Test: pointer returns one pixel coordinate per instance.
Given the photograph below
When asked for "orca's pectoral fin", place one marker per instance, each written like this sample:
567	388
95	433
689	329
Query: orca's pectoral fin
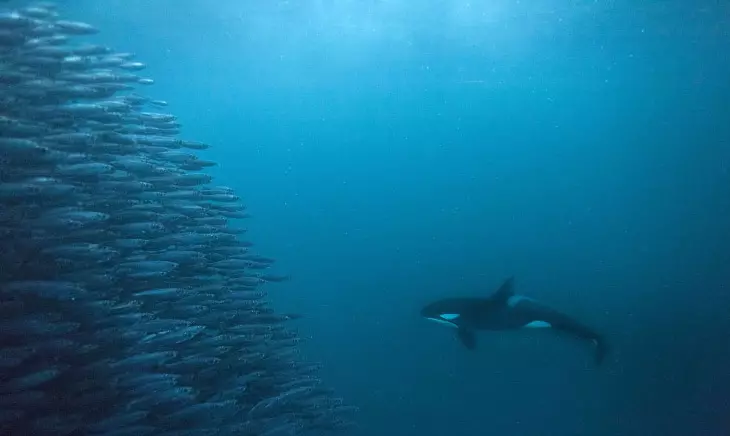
467	337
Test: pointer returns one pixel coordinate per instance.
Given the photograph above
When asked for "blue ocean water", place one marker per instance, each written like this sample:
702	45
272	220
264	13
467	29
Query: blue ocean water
393	152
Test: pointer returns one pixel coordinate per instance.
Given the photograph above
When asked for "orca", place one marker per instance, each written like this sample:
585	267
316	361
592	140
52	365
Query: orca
504	310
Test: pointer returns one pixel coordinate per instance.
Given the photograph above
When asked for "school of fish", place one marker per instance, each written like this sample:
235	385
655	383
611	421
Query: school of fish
130	301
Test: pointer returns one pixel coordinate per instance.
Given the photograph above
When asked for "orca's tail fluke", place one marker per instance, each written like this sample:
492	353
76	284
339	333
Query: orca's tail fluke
601	349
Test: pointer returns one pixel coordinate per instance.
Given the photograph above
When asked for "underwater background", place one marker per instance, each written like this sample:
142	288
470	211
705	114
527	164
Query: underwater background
392	153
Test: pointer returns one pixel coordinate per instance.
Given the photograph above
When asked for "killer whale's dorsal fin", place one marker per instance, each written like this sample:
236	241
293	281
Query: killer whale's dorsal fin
504	292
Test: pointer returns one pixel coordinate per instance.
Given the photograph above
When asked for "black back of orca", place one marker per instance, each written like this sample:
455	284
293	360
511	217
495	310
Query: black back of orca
504	310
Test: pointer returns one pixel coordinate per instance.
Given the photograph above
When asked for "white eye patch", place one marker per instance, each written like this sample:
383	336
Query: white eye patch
537	325
449	316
